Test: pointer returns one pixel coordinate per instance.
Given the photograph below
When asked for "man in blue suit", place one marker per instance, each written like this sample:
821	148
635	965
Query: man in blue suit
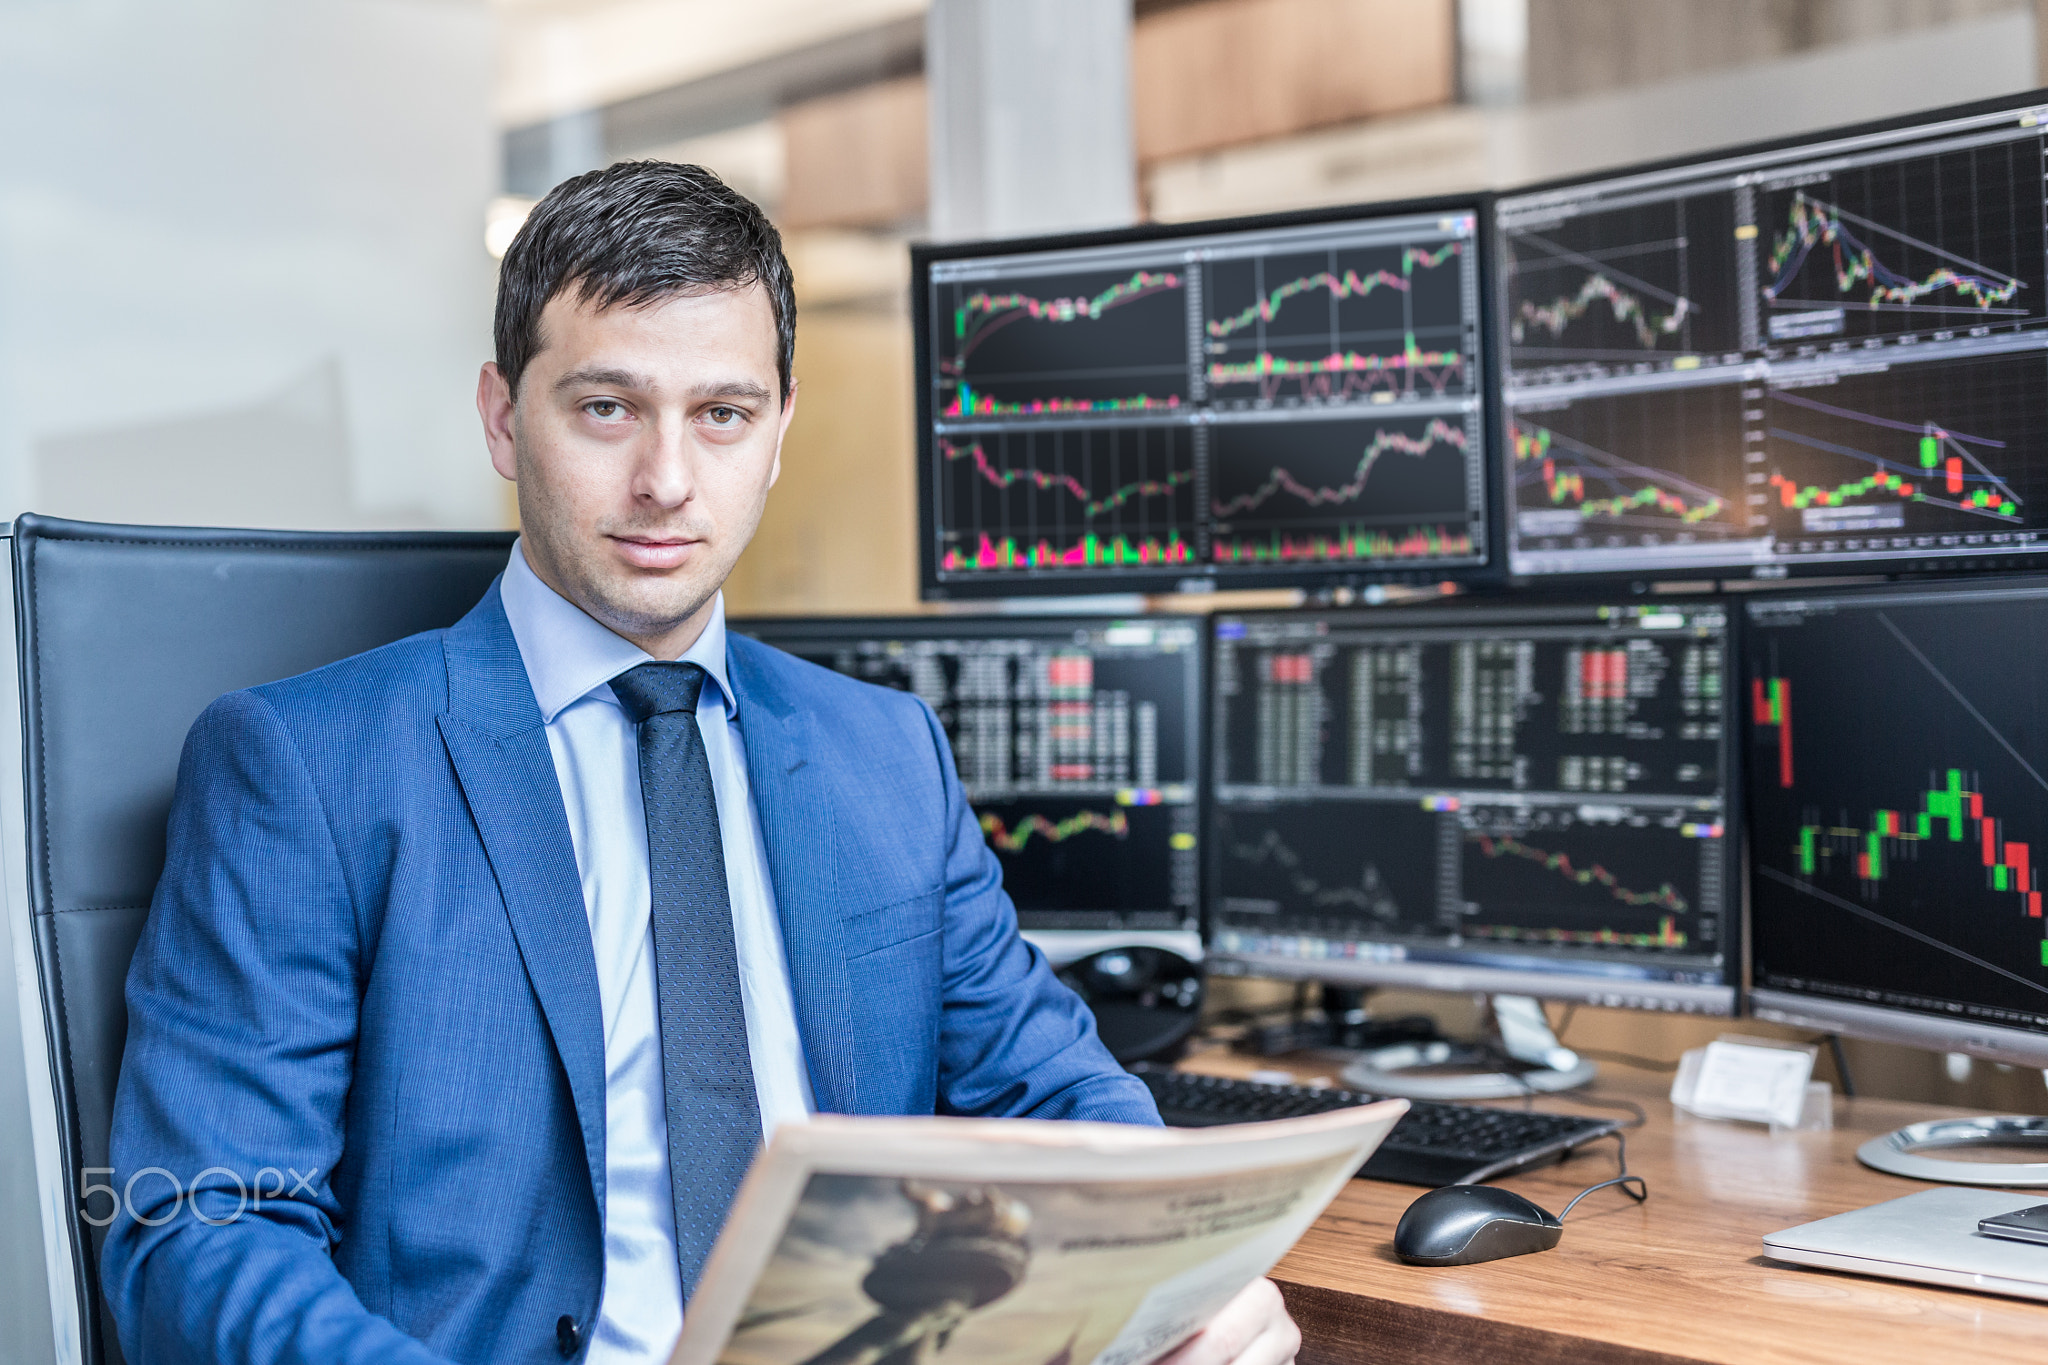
481	963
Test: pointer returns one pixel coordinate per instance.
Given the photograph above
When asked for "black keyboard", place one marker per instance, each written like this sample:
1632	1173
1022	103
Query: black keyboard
1433	1144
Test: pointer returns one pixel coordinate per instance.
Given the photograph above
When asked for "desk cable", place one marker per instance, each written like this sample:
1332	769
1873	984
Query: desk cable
1634	1186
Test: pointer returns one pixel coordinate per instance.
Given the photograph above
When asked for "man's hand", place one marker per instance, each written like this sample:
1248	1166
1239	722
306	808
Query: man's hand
1252	1329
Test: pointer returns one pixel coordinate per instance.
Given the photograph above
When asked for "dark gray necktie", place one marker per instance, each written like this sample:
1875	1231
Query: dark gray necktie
714	1117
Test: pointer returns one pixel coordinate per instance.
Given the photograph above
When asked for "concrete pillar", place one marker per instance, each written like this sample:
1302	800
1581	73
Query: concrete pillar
1030	116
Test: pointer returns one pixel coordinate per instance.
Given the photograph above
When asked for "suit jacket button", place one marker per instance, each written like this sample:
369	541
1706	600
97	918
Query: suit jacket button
568	1336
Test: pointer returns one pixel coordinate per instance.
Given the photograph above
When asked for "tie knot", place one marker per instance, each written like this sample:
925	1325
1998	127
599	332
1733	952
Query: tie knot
658	689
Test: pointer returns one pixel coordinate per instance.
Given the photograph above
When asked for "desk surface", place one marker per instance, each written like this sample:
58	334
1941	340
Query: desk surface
1680	1278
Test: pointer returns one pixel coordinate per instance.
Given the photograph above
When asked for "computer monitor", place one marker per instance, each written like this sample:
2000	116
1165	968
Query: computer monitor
1266	402
1822	355
1078	742
1898	809
1523	799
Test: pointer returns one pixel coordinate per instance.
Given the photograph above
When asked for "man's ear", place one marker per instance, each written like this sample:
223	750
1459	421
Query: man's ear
782	431
494	405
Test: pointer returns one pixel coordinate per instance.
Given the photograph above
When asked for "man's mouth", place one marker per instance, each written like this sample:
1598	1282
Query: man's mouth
656	552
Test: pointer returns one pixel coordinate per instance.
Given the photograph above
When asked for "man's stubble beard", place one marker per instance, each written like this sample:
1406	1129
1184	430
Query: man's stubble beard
628	605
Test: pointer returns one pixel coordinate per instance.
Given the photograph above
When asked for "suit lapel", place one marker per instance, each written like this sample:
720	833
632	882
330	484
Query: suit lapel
494	736
797	831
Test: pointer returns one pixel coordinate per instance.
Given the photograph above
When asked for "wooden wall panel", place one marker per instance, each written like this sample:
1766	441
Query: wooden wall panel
1588	47
1213	75
839	533
859	159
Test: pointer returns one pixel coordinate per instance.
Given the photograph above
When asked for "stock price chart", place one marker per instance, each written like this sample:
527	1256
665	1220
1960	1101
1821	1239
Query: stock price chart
1590	877
1089	342
1349	490
1905	246
1951	452
1898	804
1333	869
1069	497
1645	284
1259	405
1338	326
1646	468
1830	352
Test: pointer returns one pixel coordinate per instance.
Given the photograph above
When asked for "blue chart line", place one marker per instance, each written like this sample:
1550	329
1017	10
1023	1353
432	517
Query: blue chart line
1873	420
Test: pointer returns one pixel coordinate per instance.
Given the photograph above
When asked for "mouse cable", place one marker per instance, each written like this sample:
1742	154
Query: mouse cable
1628	1185
1634	1186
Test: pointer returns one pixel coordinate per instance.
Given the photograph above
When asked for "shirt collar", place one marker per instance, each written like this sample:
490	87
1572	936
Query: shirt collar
569	656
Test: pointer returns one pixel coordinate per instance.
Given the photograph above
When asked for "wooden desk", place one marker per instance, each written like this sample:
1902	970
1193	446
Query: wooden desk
1680	1278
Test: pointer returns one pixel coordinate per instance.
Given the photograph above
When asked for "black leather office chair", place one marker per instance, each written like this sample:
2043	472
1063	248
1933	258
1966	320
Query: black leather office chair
125	634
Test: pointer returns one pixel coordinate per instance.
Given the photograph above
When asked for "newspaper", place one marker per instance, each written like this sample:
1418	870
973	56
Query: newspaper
898	1241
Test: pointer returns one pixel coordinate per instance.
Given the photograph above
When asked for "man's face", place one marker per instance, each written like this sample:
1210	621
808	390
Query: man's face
644	442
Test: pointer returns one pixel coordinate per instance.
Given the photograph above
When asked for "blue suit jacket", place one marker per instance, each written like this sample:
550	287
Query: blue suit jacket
366	993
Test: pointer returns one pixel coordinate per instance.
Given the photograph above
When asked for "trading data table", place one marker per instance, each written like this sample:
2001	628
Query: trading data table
1541	788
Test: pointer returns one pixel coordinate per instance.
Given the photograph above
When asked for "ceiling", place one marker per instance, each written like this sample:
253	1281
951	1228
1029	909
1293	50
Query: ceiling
560	56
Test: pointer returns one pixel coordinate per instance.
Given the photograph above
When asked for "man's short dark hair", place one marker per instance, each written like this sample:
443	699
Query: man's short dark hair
636	233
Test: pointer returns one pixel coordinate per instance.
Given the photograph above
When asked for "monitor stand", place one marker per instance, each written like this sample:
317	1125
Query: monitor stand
1905	1151
1537	1063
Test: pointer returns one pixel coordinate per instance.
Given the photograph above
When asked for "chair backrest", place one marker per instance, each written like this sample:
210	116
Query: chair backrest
124	635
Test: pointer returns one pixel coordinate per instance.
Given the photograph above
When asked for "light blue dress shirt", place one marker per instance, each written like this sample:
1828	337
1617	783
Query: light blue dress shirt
570	660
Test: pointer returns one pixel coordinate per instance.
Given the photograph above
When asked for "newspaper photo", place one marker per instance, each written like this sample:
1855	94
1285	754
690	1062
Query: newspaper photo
892	1241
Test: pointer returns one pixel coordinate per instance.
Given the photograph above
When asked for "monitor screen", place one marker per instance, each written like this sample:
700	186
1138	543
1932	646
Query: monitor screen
1526	799
1823	355
1898	804
1272	404
1077	741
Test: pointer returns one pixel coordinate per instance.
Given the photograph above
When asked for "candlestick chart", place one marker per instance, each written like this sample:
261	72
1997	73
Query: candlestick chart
1551	876
1005	839
1924	450
1079	856
1355	489
1910	245
1352	325
1328	866
1066	497
1900	805
1645	466
1652	281
1087	342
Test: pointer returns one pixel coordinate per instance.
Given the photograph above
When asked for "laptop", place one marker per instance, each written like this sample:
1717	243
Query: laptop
1930	1237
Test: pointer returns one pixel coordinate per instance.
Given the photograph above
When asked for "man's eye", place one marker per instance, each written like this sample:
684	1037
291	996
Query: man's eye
723	416
605	409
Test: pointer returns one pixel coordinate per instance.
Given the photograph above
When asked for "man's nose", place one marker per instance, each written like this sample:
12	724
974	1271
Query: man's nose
667	472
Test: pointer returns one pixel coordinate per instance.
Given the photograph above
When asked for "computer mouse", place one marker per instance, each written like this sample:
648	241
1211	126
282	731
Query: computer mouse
1466	1224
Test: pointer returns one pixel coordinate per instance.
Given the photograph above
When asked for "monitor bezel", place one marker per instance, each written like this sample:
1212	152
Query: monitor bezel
1723	999
1877	1023
1200	578
1885	1024
1768	571
993	625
